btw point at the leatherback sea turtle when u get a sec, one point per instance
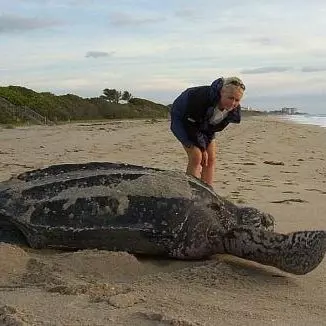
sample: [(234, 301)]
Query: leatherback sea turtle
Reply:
[(145, 210)]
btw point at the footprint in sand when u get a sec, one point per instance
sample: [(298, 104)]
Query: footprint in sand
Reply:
[(274, 162), (290, 192), (125, 300), (317, 190), (288, 201), (291, 183), (159, 319)]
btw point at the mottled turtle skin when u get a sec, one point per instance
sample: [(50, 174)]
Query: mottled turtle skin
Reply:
[(143, 210)]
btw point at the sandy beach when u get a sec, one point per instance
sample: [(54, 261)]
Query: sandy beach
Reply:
[(266, 163)]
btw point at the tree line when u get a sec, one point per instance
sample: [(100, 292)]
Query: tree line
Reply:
[(114, 96)]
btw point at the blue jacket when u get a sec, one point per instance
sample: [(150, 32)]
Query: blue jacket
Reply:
[(192, 110)]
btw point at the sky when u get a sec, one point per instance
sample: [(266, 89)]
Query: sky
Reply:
[(156, 49)]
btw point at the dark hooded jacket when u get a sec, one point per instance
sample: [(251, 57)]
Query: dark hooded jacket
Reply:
[(191, 112)]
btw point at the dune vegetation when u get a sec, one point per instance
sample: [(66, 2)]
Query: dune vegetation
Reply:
[(15, 100)]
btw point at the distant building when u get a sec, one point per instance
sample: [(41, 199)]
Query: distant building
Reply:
[(246, 108), (289, 111)]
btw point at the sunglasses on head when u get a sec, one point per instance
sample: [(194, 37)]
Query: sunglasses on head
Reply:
[(236, 83)]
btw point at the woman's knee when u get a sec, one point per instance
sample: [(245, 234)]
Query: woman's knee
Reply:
[(194, 157), (195, 161)]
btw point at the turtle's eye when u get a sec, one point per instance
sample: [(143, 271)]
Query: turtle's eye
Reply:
[(212, 233)]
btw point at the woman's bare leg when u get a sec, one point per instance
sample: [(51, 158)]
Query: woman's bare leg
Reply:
[(194, 161), (208, 170)]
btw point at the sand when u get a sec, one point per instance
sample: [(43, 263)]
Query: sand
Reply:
[(264, 162)]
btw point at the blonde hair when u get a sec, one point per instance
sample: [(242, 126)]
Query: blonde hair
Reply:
[(233, 81)]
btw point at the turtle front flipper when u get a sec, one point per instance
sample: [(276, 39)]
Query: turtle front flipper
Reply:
[(297, 253)]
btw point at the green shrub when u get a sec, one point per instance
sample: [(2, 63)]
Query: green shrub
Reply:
[(71, 107)]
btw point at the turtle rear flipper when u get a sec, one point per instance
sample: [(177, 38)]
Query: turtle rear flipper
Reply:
[(297, 253), (9, 233)]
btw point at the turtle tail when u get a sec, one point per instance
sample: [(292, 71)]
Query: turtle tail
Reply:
[(297, 253)]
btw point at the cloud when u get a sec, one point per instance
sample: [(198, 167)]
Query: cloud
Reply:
[(263, 40), (185, 13), (56, 3), (125, 20), (11, 23), (265, 70), (313, 69), (98, 54)]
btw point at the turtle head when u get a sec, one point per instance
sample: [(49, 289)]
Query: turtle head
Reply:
[(303, 251), (249, 216), (297, 253)]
